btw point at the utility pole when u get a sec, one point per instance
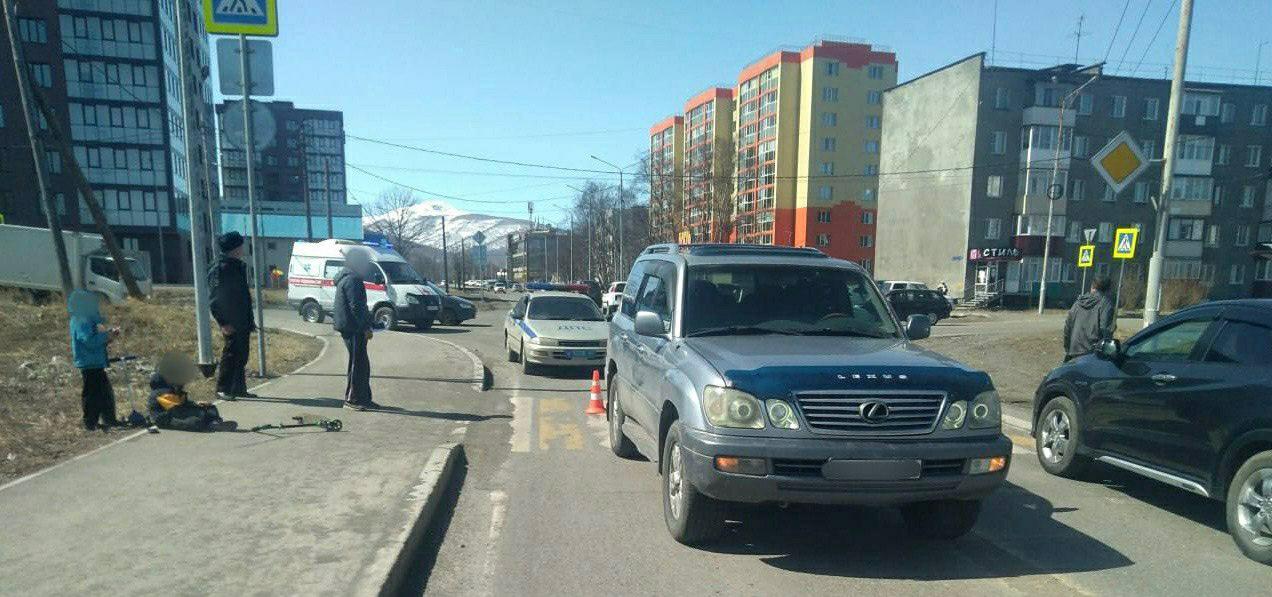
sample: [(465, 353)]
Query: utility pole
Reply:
[(445, 258), (556, 255), (1078, 35), (1152, 295), (462, 273), (38, 154), (304, 182), (198, 236), (246, 82), (1258, 60), (571, 246), (326, 183)]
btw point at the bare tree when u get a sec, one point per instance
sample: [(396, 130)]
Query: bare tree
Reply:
[(393, 215)]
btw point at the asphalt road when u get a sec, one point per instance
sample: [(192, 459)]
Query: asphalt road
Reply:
[(546, 509)]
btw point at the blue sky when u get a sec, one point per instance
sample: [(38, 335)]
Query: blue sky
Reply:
[(552, 82)]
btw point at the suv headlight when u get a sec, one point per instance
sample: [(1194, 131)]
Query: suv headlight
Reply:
[(955, 415), (781, 415), (985, 411), (727, 407)]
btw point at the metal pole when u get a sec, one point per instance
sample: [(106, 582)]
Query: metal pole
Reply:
[(590, 274), (1083, 288), (445, 259), (556, 255), (571, 247), (1117, 295), (198, 236), (622, 263), (38, 154), (1028, 174), (1152, 294), (326, 183), (1051, 201), (246, 81)]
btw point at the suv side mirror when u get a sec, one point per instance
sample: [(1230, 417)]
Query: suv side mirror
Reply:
[(1109, 349), (649, 323), (918, 327)]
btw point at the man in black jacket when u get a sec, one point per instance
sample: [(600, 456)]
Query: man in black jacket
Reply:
[(231, 304), (1090, 321), (353, 320)]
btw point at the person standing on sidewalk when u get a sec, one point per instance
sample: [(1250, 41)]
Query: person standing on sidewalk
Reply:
[(352, 319), (1090, 320), (89, 337), (231, 304)]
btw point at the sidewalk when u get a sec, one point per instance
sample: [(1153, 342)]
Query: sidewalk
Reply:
[(298, 511)]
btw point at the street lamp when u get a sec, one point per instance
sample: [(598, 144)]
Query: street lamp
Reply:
[(621, 262)]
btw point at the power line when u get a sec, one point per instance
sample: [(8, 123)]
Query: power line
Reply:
[(473, 157), (1169, 9), (1116, 29), (1134, 33), (440, 195)]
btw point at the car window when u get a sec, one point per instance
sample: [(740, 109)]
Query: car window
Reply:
[(332, 268), (630, 288), (1241, 343), (563, 308), (519, 311), (1174, 343), (655, 293), (104, 267)]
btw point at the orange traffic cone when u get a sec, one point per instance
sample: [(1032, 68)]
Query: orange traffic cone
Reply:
[(595, 406)]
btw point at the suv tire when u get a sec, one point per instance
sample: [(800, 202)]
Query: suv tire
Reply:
[(620, 444), (311, 311), (1249, 507), (385, 316), (1057, 437), (942, 520), (691, 517)]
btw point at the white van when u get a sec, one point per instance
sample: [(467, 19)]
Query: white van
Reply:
[(395, 292)]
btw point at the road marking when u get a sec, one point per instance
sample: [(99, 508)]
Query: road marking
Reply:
[(522, 420), (498, 514), (555, 428), (479, 372)]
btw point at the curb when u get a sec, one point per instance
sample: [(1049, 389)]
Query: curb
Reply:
[(480, 380), (392, 563)]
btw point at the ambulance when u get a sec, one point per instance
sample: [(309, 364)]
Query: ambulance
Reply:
[(395, 292)]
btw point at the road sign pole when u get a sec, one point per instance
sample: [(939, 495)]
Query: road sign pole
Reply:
[(198, 233), (245, 79), (1117, 295), (1083, 288), (1152, 294)]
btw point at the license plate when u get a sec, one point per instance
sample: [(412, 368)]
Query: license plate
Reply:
[(580, 354), (872, 470)]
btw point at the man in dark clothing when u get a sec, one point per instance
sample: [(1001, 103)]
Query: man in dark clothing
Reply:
[(1091, 320), (353, 320), (231, 304)]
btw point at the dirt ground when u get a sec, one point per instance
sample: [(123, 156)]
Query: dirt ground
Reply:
[(1017, 363), (40, 409)]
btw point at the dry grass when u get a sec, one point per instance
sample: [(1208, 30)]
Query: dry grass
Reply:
[(39, 386), (1016, 363)]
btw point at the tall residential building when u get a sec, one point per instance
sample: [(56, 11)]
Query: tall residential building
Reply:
[(110, 69), (707, 212), (807, 130), (304, 162), (539, 255), (976, 217), (666, 185)]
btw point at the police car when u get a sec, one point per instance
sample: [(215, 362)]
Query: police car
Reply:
[(555, 328)]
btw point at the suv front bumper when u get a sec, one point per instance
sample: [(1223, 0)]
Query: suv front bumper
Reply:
[(795, 475)]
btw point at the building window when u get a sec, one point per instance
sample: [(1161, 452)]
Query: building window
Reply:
[(1002, 97), (1243, 236), (827, 168), (1186, 229), (871, 170), (865, 241), (1224, 155), (1200, 104), (1081, 146), (1259, 116), (1149, 148), (33, 31), (823, 216), (1106, 232), (1247, 195), (868, 195), (872, 146), (1075, 231), (1192, 188), (874, 98), (1085, 104), (826, 192), (1212, 235), (867, 218), (1254, 155), (823, 240), (1109, 195), (1119, 106), (998, 143), (872, 122), (830, 94), (832, 68), (1237, 276), (1150, 108), (874, 71), (1192, 147), (993, 228), (1141, 192), (42, 73), (994, 186), (829, 118), (1077, 189), (828, 143), (1228, 113), (1263, 270), (1218, 196)]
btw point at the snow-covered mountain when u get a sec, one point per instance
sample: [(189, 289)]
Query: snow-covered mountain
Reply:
[(460, 224)]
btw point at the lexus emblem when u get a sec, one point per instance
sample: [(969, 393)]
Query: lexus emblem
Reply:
[(874, 412)]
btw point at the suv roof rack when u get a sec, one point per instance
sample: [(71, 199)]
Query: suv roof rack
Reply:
[(721, 249)]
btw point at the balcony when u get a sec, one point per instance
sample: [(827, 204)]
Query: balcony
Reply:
[(1048, 116), (1199, 209), (1192, 167), (1183, 248)]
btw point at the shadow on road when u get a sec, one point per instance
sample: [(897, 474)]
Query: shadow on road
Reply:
[(859, 542), (337, 403), (1180, 503)]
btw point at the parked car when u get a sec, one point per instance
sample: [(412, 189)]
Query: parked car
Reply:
[(395, 292), (612, 297), (773, 374), (555, 328), (455, 310), (518, 287), (499, 287), (919, 302), (887, 286), (1186, 401)]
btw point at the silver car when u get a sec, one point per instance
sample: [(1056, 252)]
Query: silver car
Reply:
[(555, 328)]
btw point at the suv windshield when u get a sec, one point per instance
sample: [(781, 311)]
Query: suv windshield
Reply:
[(741, 299), (400, 273), (564, 308)]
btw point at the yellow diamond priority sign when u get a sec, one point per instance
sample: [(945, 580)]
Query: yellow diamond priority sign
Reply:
[(1120, 161)]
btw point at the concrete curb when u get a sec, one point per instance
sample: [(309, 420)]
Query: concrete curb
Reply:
[(1018, 423), (392, 563), (479, 370)]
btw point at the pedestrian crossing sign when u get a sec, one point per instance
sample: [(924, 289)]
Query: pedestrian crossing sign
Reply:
[(241, 17), (1124, 242), (1086, 255)]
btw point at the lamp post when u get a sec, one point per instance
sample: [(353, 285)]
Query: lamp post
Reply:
[(621, 262)]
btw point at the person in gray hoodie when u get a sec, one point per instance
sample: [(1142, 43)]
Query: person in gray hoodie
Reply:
[(352, 319), (1091, 320)]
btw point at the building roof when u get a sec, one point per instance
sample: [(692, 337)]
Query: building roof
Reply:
[(666, 123), (712, 93)]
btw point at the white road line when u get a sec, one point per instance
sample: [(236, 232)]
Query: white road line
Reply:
[(498, 514), (522, 421)]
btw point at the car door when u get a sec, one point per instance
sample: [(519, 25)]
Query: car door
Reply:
[(657, 289), (1135, 413), (327, 294)]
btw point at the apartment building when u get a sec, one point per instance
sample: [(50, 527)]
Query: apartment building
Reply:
[(539, 255), (707, 211), (808, 133), (979, 144), (303, 165), (667, 178), (110, 70)]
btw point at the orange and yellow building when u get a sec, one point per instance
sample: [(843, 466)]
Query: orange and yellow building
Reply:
[(707, 215), (667, 178)]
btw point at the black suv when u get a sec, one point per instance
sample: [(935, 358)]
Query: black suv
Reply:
[(1186, 401), (907, 302)]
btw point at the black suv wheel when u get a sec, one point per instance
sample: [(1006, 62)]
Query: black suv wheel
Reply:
[(1249, 507), (1058, 434), (692, 517), (941, 519)]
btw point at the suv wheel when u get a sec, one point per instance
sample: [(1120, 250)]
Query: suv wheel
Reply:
[(1249, 508), (692, 517), (310, 311), (1057, 439), (619, 443), (941, 519), (933, 318), (385, 317)]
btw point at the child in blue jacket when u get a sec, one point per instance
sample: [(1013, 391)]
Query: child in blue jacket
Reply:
[(89, 337)]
